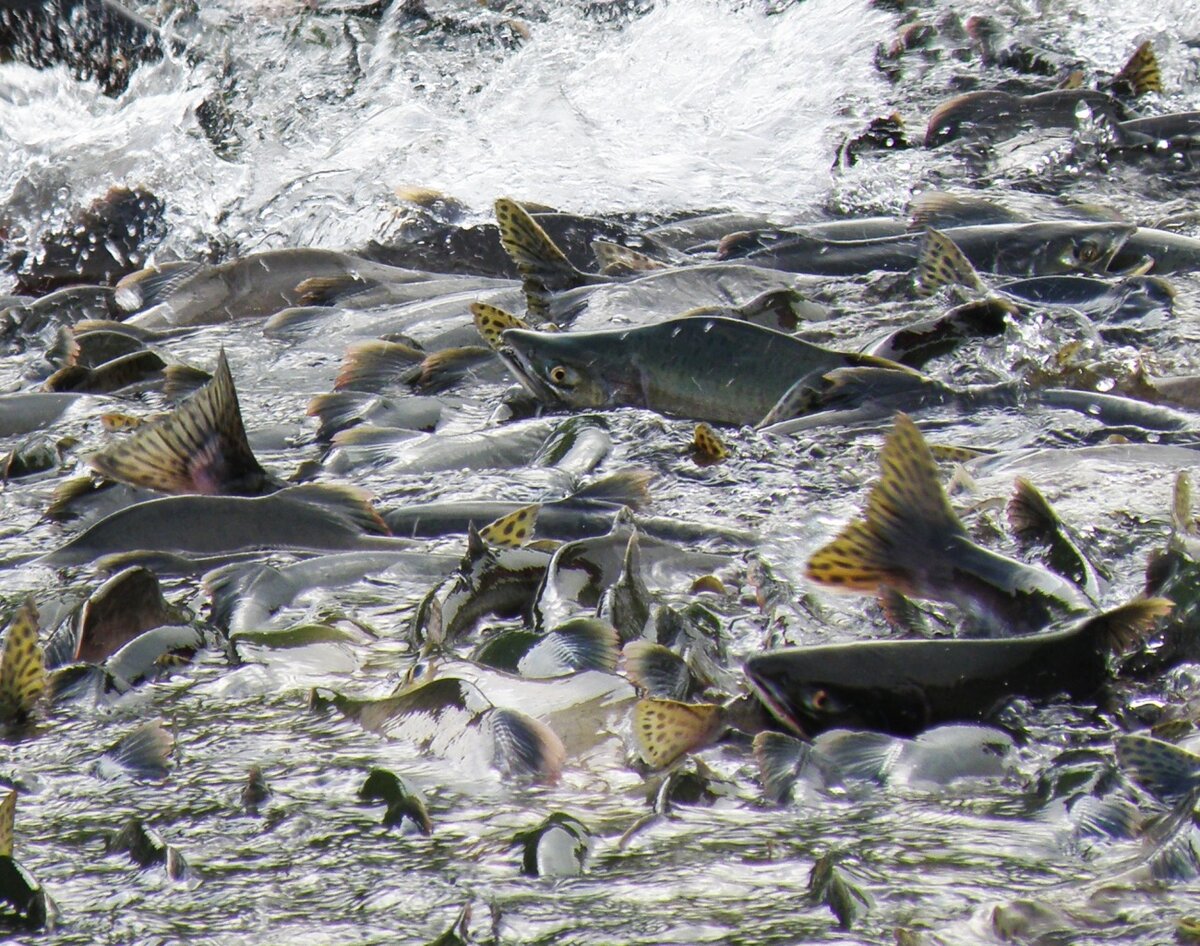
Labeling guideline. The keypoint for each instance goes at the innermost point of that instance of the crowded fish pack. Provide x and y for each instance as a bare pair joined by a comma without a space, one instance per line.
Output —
641,471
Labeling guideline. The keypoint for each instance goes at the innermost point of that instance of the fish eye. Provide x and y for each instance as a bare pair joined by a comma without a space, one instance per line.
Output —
561,375
1089,251
819,701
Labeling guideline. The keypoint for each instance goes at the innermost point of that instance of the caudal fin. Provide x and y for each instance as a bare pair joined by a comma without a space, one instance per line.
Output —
22,666
1140,74
666,730
908,519
8,817
942,263
491,322
199,448
1119,629
544,268
512,531
1167,772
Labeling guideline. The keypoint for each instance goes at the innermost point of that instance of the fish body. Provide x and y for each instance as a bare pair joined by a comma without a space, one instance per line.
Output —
710,369
994,115
1007,249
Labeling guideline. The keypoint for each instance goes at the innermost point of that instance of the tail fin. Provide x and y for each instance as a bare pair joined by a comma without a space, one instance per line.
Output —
544,268
907,516
22,666
154,284
941,210
1140,74
512,531
490,322
1034,522
625,487
8,817
707,445
942,263
657,670
665,730
200,448
1167,772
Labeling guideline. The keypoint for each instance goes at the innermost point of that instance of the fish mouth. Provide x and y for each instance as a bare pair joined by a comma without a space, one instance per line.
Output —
523,370
1139,267
774,699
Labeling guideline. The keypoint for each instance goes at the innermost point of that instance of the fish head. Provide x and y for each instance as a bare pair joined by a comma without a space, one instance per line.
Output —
1087,247
555,368
791,688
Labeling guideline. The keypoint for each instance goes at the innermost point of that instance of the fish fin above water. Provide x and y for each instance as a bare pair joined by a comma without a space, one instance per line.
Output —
490,321
1140,74
902,613
708,445
440,369
8,817
155,284
129,603
942,263
182,381
618,260
1119,629
656,670
524,746
199,448
665,730
1166,771
1182,522
908,520
584,644
531,248
22,666
349,503
625,487
64,350
146,752
781,759
330,290
1033,521
1072,80
512,531
941,210
375,365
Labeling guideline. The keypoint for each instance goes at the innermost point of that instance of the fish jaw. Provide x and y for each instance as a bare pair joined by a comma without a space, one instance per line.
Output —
534,356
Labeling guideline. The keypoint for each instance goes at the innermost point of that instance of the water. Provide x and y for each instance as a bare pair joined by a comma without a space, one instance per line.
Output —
653,109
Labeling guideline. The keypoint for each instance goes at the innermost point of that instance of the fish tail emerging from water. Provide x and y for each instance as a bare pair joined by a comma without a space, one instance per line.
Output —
491,321
22,666
665,730
199,448
1166,771
910,539
942,263
378,364
544,268
1140,74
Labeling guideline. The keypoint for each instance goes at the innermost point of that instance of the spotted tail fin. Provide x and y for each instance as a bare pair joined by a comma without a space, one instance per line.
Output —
908,519
942,263
666,730
22,666
544,268
199,448
1140,74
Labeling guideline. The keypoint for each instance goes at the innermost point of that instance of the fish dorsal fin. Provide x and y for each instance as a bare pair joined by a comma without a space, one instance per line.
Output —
584,644
908,517
1030,516
941,210
624,487
665,729
8,817
942,263
708,445
64,350
152,285
1166,771
200,448
511,531
377,364
349,503
490,322
656,670
1141,73
618,260
780,760
328,290
22,666
1119,629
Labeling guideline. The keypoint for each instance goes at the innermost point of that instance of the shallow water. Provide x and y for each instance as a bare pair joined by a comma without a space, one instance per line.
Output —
648,108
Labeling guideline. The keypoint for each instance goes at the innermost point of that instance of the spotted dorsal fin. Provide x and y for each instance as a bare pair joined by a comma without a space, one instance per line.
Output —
942,263
8,817
199,448
490,322
908,518
511,531
665,730
22,666
618,260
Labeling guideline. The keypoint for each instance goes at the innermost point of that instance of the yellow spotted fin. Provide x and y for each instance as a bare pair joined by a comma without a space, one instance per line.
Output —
942,263
1182,522
491,321
951,453
905,509
511,531
618,260
22,666
199,448
377,364
665,729
544,268
1141,73
708,445
114,421
8,817
1072,80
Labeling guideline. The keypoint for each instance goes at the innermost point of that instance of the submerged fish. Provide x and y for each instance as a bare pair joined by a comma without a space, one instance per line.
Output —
993,115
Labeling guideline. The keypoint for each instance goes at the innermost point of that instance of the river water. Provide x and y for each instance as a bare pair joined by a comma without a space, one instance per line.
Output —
649,108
